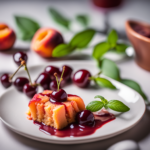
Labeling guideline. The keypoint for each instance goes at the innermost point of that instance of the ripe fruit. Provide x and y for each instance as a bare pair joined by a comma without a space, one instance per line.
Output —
7,37
44,80
81,78
67,72
20,82
85,117
51,70
29,90
58,96
45,40
19,55
5,80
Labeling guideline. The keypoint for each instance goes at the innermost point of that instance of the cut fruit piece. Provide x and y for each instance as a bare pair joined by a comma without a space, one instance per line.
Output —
53,114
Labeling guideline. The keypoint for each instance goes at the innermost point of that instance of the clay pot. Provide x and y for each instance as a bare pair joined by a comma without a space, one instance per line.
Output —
139,35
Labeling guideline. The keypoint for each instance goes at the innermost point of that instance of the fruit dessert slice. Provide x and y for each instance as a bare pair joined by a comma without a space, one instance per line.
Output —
55,108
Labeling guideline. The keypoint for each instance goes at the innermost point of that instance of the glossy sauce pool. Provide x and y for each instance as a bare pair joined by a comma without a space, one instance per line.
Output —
76,130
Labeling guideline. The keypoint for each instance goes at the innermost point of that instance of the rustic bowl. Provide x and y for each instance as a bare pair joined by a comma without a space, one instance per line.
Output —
140,43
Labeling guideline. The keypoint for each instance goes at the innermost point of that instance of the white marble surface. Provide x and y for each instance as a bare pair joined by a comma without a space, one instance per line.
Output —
37,9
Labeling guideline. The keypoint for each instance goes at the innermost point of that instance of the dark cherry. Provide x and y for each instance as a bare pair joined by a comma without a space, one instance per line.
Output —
67,73
19,55
5,80
53,85
29,90
58,96
44,80
81,78
20,82
51,70
85,117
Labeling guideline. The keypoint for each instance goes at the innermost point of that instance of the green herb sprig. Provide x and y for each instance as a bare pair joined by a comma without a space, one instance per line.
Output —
111,44
110,69
79,41
26,27
115,105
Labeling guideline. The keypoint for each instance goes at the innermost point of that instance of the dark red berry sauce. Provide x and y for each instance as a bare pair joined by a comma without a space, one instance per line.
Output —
75,129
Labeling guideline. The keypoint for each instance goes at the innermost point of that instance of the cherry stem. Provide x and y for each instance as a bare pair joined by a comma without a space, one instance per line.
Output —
93,77
26,68
55,74
61,77
15,72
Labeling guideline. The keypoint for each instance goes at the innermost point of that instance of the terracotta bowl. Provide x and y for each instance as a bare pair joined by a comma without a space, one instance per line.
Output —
140,42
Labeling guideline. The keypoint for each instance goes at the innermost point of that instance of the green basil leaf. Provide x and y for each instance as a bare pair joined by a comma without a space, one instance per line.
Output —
112,38
82,39
26,27
102,82
134,85
117,106
110,69
59,18
94,106
83,19
104,101
121,48
62,50
101,97
100,49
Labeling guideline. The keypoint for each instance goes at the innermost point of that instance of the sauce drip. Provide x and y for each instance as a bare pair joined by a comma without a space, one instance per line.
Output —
75,129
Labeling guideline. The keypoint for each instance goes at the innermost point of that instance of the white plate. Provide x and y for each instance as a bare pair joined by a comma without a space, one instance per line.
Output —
13,106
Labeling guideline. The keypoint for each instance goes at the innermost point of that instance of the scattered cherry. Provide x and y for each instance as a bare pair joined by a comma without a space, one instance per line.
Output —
58,96
81,78
53,85
51,70
67,73
5,80
44,80
85,117
20,82
29,90
19,55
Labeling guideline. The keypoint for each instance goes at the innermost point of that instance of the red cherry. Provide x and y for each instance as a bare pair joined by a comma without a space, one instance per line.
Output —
19,55
51,70
85,117
58,96
29,90
5,80
44,80
20,82
81,78
67,72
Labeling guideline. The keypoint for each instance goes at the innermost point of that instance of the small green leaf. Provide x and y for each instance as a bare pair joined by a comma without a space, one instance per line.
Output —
100,49
117,106
134,85
94,106
112,38
26,27
59,18
82,39
104,101
62,50
110,69
83,19
102,82
121,48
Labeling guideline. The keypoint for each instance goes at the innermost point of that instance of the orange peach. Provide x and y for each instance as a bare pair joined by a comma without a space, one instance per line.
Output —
7,37
45,40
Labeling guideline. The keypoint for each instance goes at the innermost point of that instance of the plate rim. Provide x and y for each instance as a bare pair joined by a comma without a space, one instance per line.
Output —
71,141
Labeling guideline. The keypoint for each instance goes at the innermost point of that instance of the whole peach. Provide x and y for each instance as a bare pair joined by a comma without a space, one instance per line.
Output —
45,40
7,37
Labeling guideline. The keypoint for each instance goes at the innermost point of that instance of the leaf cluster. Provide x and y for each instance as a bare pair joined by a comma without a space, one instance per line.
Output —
115,105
